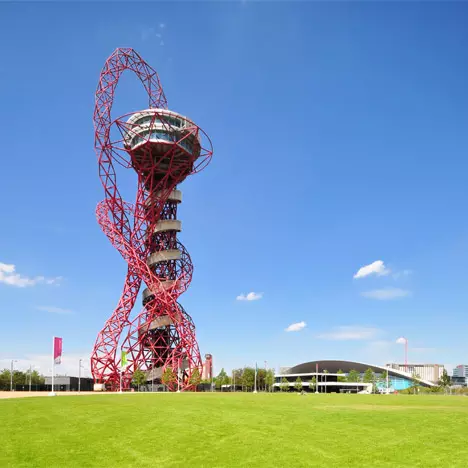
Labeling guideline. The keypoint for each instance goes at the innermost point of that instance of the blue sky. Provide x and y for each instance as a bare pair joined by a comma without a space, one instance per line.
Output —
340,140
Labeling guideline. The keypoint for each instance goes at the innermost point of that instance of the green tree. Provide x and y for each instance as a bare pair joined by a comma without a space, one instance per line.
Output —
20,378
237,378
313,383
139,378
416,382
369,376
195,378
269,379
298,384
248,378
261,377
341,376
284,385
169,377
444,381
354,376
221,379
5,379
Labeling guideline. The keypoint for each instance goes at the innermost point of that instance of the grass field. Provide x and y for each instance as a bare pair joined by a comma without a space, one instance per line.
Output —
214,430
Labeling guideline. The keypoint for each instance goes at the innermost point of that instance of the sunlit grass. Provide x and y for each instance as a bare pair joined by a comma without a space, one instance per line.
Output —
234,430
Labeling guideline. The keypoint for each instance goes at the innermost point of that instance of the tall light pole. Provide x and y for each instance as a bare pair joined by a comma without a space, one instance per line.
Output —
11,374
266,376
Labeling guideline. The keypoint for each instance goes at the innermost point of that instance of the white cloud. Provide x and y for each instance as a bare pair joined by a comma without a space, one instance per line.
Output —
386,294
375,268
9,276
401,340
294,327
5,268
251,296
54,310
346,333
162,25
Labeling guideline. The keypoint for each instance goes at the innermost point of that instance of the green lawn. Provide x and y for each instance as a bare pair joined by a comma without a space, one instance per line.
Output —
211,430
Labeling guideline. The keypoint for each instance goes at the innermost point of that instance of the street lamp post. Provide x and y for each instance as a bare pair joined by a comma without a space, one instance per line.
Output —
11,374
79,375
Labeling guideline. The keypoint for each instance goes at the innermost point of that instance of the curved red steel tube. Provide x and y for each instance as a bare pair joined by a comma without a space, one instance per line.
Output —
162,148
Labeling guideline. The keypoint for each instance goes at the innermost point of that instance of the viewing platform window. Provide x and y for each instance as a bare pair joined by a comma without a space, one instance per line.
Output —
165,119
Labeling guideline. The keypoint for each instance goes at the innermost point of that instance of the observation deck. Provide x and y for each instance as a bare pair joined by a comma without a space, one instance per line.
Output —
162,143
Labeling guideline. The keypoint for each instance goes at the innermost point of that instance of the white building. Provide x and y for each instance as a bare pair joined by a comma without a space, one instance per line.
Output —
430,372
461,371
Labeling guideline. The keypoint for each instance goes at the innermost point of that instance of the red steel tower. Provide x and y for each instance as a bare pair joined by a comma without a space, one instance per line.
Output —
162,147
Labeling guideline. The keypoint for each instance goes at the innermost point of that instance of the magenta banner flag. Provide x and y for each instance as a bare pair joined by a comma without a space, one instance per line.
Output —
57,350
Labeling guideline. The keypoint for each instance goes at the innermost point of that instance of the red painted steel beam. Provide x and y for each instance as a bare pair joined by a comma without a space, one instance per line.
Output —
131,228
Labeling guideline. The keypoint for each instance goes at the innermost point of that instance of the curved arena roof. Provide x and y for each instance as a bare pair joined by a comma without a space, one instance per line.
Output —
346,366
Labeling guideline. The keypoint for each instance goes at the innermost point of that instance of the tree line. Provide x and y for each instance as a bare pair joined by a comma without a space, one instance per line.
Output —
20,378
244,379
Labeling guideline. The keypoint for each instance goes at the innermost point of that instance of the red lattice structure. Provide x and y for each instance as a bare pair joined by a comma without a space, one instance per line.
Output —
163,148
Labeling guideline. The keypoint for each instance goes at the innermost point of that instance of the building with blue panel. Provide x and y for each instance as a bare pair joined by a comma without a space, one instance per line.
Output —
334,377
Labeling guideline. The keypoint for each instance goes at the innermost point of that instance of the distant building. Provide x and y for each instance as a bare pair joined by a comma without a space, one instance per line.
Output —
461,371
207,373
429,372
69,384
460,375
333,377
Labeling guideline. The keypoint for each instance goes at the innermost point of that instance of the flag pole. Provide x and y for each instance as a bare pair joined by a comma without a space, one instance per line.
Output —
53,363
52,393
